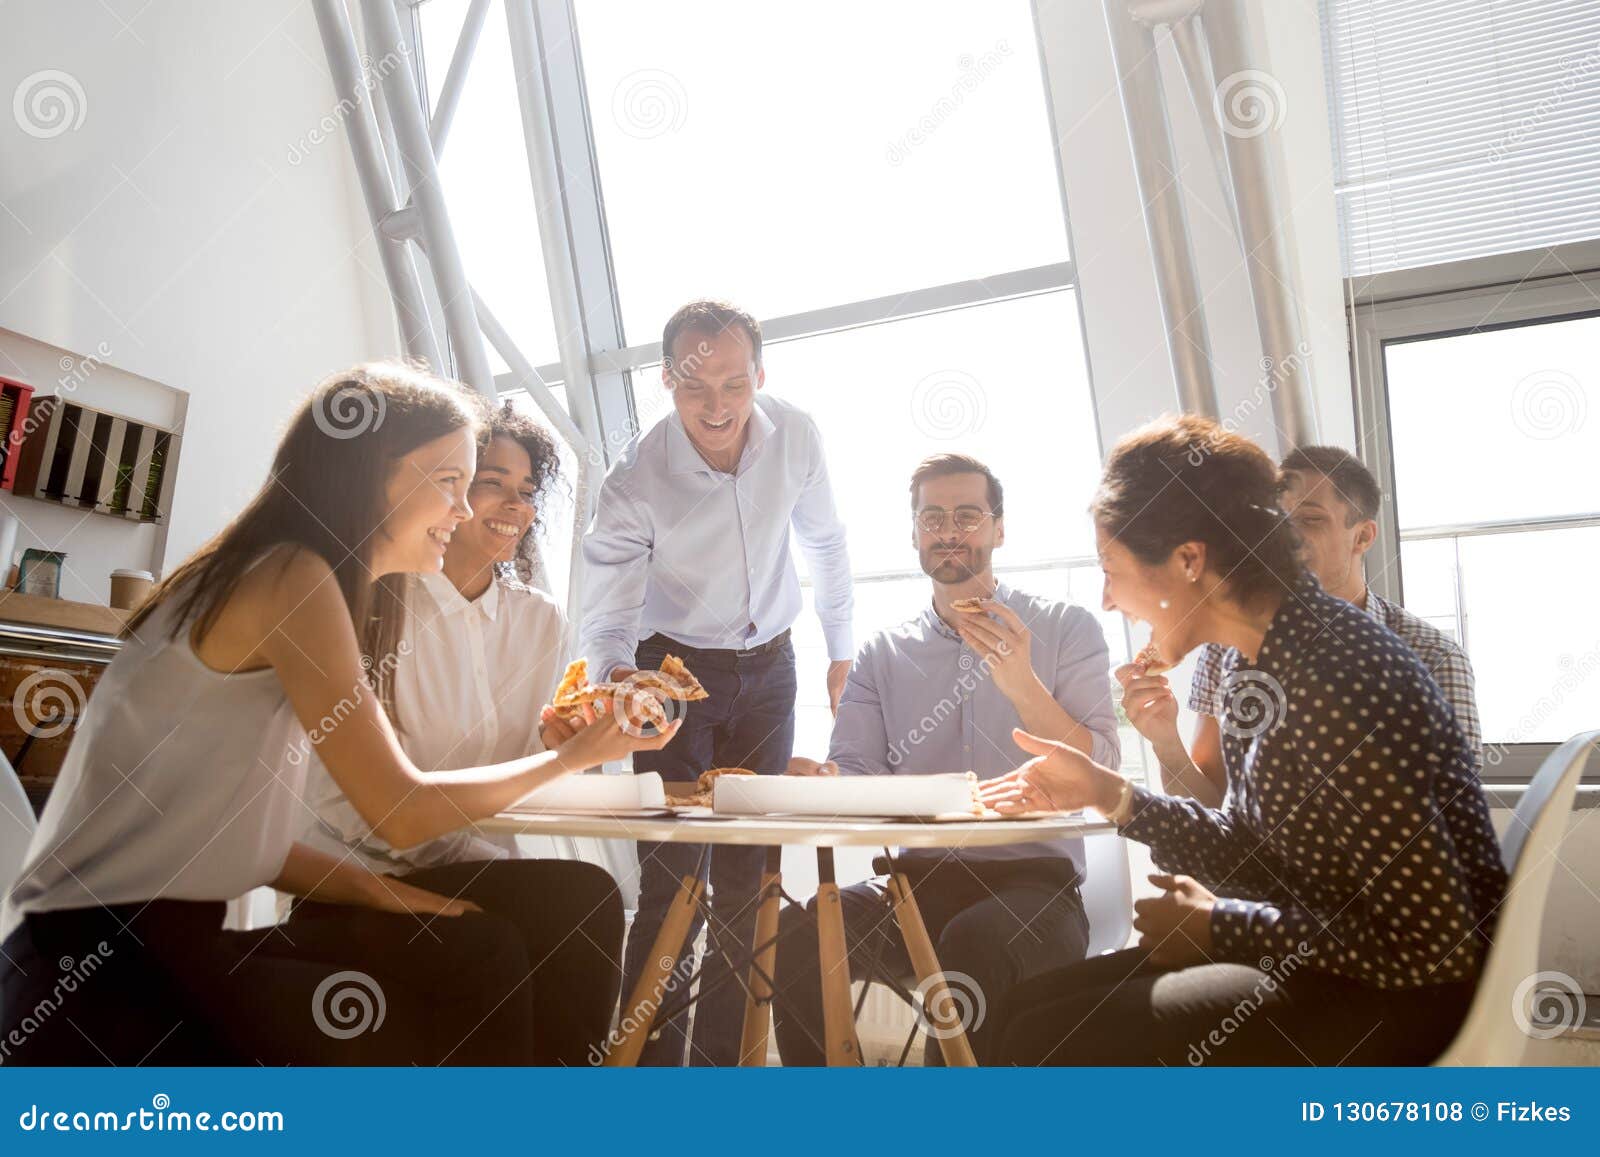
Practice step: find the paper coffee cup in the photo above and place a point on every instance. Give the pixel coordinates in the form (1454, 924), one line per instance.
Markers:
(129, 588)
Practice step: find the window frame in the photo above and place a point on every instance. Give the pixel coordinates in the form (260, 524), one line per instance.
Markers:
(596, 373)
(1474, 296)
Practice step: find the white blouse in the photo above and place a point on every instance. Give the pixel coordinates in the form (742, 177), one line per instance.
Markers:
(470, 679)
(175, 786)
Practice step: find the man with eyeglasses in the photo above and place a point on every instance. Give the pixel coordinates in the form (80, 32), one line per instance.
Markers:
(689, 555)
(942, 692)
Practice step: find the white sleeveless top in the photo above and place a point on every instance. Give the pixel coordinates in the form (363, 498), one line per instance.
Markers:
(175, 786)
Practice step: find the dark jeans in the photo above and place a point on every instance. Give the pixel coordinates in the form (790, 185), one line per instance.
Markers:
(1122, 1010)
(163, 984)
(569, 916)
(995, 923)
(746, 721)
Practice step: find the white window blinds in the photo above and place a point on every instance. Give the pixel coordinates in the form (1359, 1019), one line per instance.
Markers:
(1462, 127)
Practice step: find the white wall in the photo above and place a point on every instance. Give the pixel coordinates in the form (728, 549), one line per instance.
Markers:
(170, 230)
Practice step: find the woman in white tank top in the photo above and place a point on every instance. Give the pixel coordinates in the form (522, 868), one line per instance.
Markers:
(176, 795)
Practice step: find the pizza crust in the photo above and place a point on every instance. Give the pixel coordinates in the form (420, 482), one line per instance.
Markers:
(1152, 662)
(706, 785)
(673, 680)
(967, 605)
(640, 693)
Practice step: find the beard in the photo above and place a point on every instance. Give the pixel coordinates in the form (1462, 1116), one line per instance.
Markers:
(966, 563)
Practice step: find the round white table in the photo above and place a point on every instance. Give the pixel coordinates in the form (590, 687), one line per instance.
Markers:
(699, 826)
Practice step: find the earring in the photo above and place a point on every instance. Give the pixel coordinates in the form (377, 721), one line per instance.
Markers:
(1193, 577)
(1164, 604)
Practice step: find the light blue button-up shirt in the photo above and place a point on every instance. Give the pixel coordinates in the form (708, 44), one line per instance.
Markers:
(703, 556)
(919, 701)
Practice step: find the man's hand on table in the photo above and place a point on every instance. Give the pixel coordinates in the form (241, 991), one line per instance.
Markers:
(800, 765)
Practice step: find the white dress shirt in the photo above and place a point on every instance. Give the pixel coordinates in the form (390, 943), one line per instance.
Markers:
(703, 556)
(468, 687)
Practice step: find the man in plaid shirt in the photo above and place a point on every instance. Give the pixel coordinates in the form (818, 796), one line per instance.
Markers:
(1333, 500)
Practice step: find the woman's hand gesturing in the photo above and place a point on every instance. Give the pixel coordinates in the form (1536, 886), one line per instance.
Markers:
(1059, 778)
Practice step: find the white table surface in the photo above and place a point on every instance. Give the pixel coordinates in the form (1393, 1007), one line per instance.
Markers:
(809, 831)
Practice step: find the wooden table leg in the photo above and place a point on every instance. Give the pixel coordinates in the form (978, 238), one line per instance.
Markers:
(640, 1011)
(758, 999)
(937, 1007)
(838, 1017)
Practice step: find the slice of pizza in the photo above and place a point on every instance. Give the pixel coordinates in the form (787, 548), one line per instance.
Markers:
(977, 800)
(674, 680)
(705, 786)
(638, 703)
(968, 605)
(1152, 662)
(708, 778)
(569, 697)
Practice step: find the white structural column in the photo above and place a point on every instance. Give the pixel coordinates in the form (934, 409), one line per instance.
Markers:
(455, 78)
(402, 120)
(377, 189)
(404, 105)
(1264, 224)
(572, 232)
(1213, 41)
(1133, 51)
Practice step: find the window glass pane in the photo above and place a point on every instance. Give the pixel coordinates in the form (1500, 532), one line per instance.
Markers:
(1533, 630)
(1005, 383)
(1429, 571)
(913, 151)
(484, 171)
(1500, 426)
(1503, 424)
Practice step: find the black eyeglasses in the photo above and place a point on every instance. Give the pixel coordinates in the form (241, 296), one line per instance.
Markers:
(966, 518)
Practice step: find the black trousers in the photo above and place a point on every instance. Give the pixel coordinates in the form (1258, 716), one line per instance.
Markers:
(569, 916)
(992, 923)
(747, 721)
(162, 983)
(1121, 1010)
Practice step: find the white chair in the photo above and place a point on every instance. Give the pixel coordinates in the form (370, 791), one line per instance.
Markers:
(1490, 1034)
(1107, 893)
(17, 825)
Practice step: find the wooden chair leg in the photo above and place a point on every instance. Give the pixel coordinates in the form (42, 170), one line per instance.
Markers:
(838, 1018)
(758, 999)
(640, 1011)
(937, 1008)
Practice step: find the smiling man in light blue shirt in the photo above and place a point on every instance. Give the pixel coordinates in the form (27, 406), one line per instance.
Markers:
(942, 692)
(689, 555)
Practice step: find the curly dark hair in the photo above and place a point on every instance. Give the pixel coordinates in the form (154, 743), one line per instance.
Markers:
(545, 457)
(1189, 479)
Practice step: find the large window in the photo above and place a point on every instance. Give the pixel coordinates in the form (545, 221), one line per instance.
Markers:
(484, 169)
(1465, 167)
(894, 217)
(1478, 411)
(753, 151)
(1498, 508)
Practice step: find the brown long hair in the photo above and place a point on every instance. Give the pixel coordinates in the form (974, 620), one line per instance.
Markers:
(1190, 479)
(326, 494)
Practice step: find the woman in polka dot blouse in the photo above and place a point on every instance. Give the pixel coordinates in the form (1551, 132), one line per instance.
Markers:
(1338, 907)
